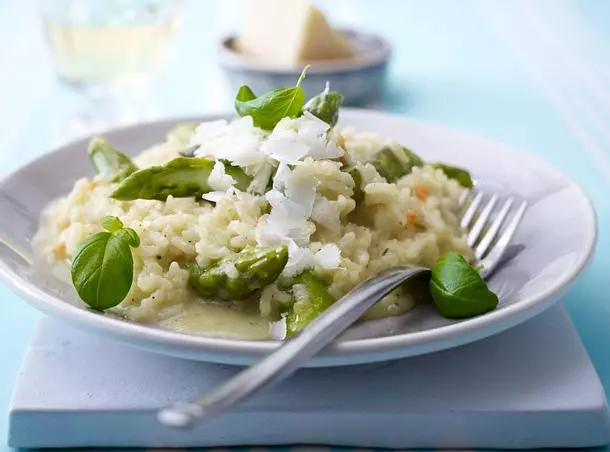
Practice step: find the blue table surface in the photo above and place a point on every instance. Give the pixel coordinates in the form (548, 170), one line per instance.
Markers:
(532, 73)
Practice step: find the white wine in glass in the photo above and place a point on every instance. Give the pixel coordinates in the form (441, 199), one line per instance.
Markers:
(110, 51)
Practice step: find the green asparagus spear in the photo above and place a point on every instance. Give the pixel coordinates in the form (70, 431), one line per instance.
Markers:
(311, 299)
(182, 177)
(358, 192)
(414, 159)
(388, 165)
(453, 172)
(391, 165)
(108, 161)
(237, 276)
(325, 106)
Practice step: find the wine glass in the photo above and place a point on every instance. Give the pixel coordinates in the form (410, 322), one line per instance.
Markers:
(110, 53)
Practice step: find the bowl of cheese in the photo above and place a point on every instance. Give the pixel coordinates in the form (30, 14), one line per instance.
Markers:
(271, 51)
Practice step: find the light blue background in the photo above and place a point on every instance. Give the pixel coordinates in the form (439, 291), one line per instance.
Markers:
(532, 73)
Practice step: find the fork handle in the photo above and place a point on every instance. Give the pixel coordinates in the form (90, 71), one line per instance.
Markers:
(291, 354)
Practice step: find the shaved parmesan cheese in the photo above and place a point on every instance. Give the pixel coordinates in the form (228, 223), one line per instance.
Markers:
(292, 140)
(214, 196)
(237, 141)
(295, 203)
(219, 180)
(329, 256)
(326, 213)
(313, 132)
(301, 259)
(229, 269)
(287, 220)
(260, 181)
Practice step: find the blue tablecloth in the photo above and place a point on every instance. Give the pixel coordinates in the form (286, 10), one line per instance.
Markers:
(532, 73)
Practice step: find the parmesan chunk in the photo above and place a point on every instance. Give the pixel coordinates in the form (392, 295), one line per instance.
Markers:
(289, 33)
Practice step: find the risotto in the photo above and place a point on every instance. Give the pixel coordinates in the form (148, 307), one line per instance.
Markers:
(284, 215)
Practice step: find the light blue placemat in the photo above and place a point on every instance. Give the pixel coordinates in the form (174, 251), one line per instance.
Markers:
(532, 73)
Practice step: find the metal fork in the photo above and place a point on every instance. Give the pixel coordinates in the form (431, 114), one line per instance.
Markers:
(485, 234)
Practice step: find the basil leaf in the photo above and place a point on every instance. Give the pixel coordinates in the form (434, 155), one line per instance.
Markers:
(130, 236)
(268, 109)
(102, 267)
(453, 172)
(108, 161)
(458, 290)
(245, 94)
(111, 223)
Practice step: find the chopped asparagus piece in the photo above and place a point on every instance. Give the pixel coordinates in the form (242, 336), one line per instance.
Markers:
(237, 276)
(414, 159)
(388, 165)
(311, 299)
(453, 172)
(392, 165)
(182, 177)
(358, 192)
(325, 106)
(108, 161)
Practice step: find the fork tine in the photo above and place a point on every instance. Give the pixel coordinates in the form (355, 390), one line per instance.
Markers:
(471, 211)
(463, 198)
(489, 237)
(476, 230)
(493, 258)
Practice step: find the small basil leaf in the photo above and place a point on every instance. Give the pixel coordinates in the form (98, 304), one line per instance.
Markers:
(245, 94)
(453, 172)
(102, 270)
(130, 236)
(268, 109)
(108, 161)
(458, 290)
(111, 223)
(102, 267)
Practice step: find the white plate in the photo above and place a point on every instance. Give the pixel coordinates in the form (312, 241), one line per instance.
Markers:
(558, 235)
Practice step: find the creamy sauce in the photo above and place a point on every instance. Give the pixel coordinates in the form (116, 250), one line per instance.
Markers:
(219, 321)
(205, 319)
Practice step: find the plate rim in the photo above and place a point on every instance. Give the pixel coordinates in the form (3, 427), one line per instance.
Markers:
(488, 324)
